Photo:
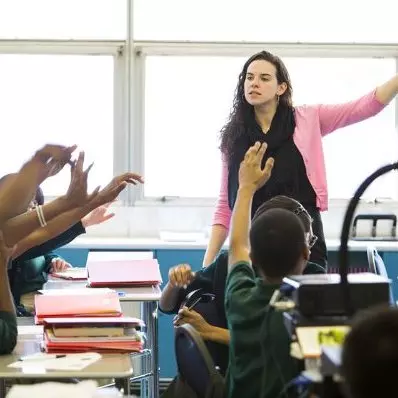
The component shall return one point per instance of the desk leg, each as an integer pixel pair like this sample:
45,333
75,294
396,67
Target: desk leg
155,350
123,384
2,388
150,311
145,362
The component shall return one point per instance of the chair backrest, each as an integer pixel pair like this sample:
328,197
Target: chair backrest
194,362
377,264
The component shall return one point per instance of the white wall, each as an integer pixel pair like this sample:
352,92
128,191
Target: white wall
147,221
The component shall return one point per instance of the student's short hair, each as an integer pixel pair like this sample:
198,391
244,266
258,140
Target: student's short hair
370,354
277,242
284,202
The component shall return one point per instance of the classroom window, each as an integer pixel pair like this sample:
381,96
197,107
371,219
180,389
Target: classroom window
57,99
264,21
63,19
188,99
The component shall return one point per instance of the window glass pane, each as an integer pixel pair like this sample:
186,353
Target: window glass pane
265,21
61,19
57,99
188,100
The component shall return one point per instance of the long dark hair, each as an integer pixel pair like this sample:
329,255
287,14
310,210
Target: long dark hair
242,112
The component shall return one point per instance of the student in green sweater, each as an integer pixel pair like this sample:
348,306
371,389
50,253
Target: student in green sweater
210,319
276,244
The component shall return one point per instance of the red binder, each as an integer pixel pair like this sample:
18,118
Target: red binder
124,273
87,305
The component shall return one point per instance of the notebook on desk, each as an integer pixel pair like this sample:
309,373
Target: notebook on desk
96,256
124,273
74,273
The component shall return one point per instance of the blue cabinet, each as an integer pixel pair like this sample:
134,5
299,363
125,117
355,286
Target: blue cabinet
391,262
168,259
76,257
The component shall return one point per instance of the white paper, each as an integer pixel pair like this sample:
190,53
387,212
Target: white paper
118,256
77,361
84,389
72,273
75,291
170,236
29,330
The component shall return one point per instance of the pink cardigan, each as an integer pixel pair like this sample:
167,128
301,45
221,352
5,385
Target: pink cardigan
312,123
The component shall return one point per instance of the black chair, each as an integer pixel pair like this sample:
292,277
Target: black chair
376,264
195,364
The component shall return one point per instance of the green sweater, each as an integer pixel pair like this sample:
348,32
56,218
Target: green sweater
8,332
260,363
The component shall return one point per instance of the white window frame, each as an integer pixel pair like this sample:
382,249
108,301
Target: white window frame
235,49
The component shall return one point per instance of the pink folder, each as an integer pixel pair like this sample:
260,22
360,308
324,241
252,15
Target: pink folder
124,273
87,305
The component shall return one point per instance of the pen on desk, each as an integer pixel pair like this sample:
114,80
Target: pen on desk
26,359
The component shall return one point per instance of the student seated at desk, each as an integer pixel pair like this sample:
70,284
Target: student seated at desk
370,354
14,197
22,231
276,244
209,319
8,322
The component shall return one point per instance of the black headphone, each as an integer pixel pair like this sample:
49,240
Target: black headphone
195,297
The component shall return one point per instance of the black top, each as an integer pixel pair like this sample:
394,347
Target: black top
289,176
30,270
54,243
212,279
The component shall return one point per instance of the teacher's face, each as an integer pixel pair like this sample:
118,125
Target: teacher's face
261,85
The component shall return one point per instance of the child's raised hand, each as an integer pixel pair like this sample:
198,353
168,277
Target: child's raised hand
181,275
251,174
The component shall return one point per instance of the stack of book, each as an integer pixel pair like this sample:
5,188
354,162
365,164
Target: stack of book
84,322
104,335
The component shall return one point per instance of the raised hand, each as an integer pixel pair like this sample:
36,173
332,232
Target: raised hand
52,159
97,216
181,275
77,192
250,172
113,189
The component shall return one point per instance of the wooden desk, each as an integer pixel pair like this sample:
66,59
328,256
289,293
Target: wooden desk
149,298
116,366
